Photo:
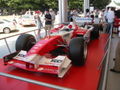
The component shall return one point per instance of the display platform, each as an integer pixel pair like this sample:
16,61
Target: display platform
79,78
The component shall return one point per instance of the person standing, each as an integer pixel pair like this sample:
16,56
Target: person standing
110,19
52,13
38,23
87,14
104,21
48,22
96,23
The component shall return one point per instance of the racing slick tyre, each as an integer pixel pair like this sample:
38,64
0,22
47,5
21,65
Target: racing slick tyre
94,33
25,42
78,51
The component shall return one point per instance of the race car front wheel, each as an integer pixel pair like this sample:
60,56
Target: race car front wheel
78,51
25,42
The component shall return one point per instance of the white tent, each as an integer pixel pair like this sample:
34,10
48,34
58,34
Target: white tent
114,3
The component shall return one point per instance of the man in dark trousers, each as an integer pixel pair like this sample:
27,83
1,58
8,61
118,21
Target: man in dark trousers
48,22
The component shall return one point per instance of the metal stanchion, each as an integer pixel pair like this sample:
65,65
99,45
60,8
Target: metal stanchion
5,38
35,82
7,45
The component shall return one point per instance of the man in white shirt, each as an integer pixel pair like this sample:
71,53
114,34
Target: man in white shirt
96,23
110,19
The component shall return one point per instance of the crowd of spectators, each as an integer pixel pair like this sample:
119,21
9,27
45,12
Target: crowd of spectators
103,19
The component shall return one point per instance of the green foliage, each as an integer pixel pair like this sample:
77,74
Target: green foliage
51,3
29,4
3,3
19,5
75,4
99,4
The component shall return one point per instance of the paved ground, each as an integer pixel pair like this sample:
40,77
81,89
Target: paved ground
113,79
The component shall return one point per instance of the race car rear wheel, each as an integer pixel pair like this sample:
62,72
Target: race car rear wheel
94,33
78,51
25,42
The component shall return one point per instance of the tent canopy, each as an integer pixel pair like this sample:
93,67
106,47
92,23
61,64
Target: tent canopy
114,3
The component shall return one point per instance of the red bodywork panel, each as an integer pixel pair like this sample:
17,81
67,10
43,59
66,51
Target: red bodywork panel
40,48
57,29
116,22
46,45
79,31
30,67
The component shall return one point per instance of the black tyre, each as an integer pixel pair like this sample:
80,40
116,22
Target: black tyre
25,42
95,33
78,51
6,30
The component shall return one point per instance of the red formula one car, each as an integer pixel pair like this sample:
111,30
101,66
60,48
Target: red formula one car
66,46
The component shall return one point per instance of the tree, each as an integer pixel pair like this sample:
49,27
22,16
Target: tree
30,4
18,5
75,4
52,3
99,4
